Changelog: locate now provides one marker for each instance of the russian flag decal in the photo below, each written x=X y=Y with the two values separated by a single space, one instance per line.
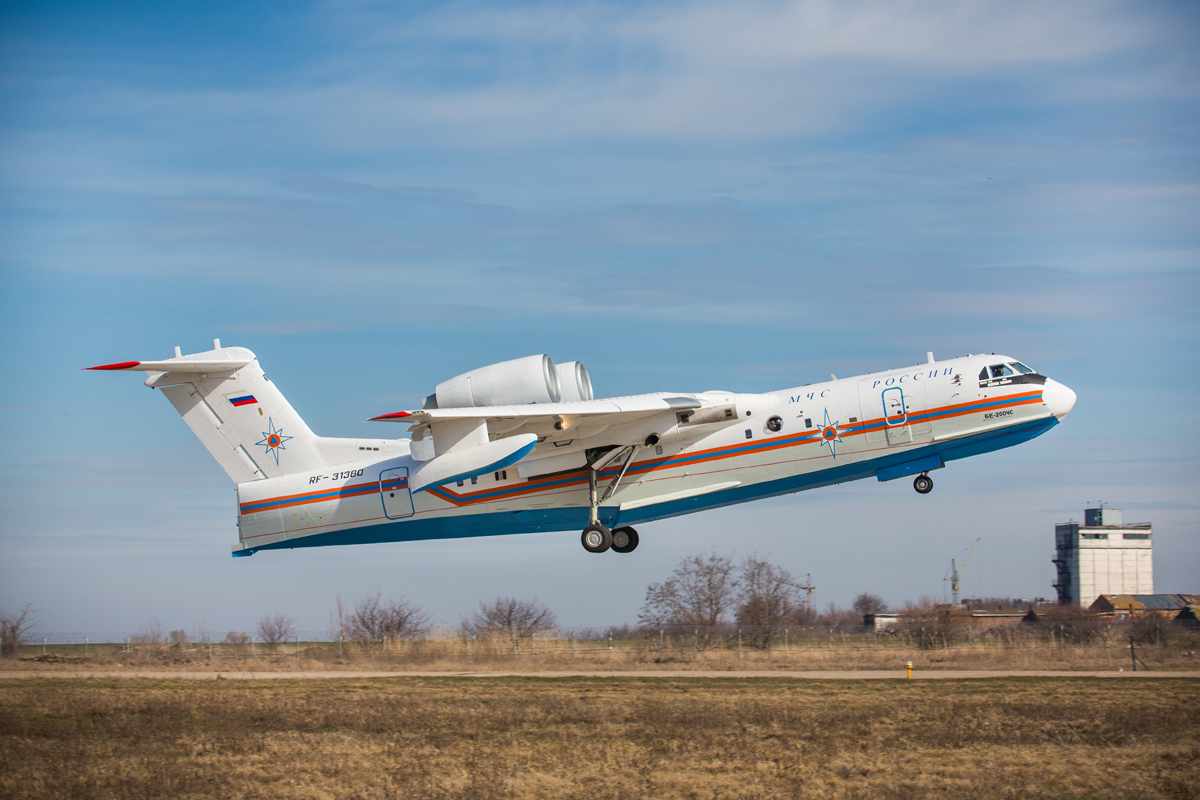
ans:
x=243 y=400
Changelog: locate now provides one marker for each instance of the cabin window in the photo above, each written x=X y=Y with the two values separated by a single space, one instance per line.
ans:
x=1021 y=368
x=775 y=424
x=458 y=483
x=749 y=433
x=808 y=422
x=502 y=475
x=1000 y=371
x=474 y=479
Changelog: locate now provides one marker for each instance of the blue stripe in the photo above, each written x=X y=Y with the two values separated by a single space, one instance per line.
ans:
x=499 y=523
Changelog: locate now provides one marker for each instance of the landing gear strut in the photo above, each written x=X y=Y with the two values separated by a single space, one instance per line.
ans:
x=596 y=537
x=923 y=484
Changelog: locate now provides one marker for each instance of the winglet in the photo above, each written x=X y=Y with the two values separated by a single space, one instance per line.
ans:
x=391 y=416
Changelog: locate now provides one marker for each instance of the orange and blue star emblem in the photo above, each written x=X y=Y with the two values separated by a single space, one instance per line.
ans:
x=831 y=435
x=273 y=440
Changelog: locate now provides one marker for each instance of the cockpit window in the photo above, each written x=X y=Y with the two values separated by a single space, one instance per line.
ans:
x=983 y=374
x=1000 y=371
x=1021 y=368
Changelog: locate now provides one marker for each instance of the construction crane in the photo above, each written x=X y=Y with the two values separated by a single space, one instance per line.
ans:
x=952 y=577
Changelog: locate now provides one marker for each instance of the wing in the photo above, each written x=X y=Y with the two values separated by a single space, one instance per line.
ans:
x=564 y=432
x=630 y=407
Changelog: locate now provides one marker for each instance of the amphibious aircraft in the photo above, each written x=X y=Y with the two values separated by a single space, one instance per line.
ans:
x=523 y=446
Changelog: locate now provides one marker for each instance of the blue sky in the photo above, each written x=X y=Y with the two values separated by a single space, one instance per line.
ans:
x=684 y=196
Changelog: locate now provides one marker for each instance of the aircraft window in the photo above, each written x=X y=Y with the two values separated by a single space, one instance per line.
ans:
x=775 y=424
x=749 y=434
x=1021 y=368
x=1000 y=371
x=983 y=374
x=808 y=422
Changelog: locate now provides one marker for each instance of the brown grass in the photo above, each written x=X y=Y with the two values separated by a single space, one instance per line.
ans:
x=856 y=652
x=612 y=737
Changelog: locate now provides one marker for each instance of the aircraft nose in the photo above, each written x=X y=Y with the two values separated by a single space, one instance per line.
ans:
x=1059 y=397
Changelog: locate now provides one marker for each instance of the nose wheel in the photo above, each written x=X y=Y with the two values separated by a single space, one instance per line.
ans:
x=923 y=484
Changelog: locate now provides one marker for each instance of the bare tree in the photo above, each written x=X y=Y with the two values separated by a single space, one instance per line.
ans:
x=768 y=600
x=177 y=637
x=13 y=630
x=508 y=616
x=867 y=603
x=699 y=593
x=275 y=629
x=237 y=637
x=151 y=635
x=375 y=619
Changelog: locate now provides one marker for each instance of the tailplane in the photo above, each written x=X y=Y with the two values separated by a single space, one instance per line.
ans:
x=243 y=419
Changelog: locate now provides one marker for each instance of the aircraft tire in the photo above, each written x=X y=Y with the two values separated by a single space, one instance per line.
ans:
x=923 y=484
x=596 y=538
x=624 y=539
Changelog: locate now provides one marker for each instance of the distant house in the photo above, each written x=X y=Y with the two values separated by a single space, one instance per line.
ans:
x=1168 y=606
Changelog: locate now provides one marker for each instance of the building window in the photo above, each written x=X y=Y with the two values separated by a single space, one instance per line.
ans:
x=1135 y=536
x=1094 y=535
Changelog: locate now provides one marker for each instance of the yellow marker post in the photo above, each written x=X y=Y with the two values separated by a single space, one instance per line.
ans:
x=908 y=671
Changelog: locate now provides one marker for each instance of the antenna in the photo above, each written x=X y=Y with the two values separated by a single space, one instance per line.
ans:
x=954 y=581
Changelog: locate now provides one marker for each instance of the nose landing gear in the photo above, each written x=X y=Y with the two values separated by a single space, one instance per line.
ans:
x=923 y=483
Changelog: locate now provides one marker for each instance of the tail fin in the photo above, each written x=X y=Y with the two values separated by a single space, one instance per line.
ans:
x=233 y=408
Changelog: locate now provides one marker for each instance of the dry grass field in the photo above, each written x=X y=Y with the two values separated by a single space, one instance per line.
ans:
x=605 y=737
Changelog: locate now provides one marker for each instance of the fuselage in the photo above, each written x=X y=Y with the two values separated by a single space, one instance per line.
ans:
x=884 y=425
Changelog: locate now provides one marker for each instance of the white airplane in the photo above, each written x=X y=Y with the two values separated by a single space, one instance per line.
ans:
x=522 y=446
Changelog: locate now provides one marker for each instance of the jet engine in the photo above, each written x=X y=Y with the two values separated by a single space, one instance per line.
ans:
x=532 y=379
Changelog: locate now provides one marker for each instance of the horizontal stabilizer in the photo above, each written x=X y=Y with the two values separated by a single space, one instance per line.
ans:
x=175 y=365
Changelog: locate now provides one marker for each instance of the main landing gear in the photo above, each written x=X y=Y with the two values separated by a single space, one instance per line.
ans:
x=923 y=483
x=597 y=537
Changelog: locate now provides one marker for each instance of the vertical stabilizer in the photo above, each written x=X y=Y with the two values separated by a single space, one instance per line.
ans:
x=243 y=419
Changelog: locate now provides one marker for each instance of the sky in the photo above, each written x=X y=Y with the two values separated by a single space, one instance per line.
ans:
x=684 y=196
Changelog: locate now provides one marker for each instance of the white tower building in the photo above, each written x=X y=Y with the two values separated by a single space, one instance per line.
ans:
x=1102 y=556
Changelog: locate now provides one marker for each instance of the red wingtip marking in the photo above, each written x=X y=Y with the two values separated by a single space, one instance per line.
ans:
x=117 y=365
x=391 y=415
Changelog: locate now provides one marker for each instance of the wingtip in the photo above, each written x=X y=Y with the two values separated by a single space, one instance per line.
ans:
x=114 y=366
x=391 y=415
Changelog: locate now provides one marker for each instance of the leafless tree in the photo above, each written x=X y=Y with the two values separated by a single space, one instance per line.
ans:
x=700 y=593
x=13 y=630
x=151 y=635
x=237 y=637
x=768 y=600
x=510 y=617
x=867 y=603
x=275 y=629
x=375 y=620
x=177 y=637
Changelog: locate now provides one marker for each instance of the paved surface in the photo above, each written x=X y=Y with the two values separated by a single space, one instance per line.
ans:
x=825 y=675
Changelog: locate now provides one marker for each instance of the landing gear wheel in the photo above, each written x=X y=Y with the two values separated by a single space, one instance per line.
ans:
x=624 y=539
x=923 y=484
x=596 y=538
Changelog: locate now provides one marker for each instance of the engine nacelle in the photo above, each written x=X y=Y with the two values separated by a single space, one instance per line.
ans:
x=532 y=379
x=574 y=382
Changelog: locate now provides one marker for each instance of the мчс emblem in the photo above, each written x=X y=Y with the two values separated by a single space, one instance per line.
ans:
x=831 y=435
x=273 y=440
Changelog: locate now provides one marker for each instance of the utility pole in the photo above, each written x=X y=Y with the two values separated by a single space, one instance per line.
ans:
x=808 y=588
